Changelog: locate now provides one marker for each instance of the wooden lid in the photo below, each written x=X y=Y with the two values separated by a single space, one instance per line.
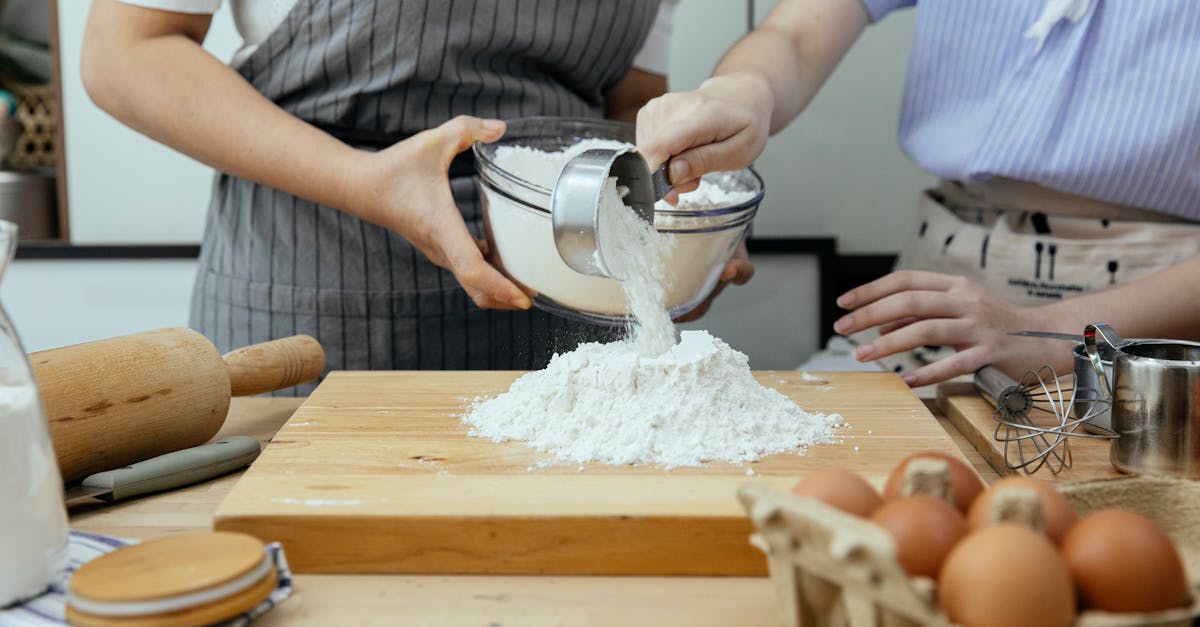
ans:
x=168 y=567
x=215 y=612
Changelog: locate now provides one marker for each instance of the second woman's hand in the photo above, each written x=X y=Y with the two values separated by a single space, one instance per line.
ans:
x=913 y=309
x=406 y=189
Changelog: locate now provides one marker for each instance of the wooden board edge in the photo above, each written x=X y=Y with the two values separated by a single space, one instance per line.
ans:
x=651 y=546
x=971 y=434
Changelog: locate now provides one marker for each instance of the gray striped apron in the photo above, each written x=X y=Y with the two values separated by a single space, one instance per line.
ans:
x=373 y=72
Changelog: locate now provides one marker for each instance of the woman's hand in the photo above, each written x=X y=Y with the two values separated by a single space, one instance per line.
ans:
x=406 y=189
x=914 y=309
x=738 y=271
x=723 y=125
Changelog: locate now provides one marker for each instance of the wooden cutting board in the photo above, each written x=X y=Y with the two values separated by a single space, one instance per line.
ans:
x=971 y=414
x=375 y=473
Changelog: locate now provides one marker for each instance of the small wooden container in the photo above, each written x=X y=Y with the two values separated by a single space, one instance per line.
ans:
x=191 y=579
x=836 y=570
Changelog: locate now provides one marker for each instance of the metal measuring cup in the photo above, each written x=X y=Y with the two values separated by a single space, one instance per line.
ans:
x=575 y=203
x=1155 y=402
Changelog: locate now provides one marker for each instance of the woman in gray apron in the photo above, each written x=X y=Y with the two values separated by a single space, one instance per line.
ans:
x=305 y=235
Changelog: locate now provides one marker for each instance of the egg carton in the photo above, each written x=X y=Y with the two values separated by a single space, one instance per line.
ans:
x=832 y=569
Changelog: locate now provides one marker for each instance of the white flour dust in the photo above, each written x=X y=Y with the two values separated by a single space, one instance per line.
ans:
x=636 y=252
x=647 y=399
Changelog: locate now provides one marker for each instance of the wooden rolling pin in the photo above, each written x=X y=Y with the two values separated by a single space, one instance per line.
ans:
x=119 y=401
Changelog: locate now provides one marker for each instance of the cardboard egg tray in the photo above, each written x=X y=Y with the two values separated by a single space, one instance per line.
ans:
x=831 y=569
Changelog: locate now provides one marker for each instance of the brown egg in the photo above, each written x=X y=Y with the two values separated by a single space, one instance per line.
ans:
x=925 y=529
x=1057 y=512
x=966 y=484
x=1006 y=575
x=1124 y=562
x=841 y=489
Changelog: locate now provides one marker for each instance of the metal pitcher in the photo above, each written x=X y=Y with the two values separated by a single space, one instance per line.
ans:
x=1155 y=402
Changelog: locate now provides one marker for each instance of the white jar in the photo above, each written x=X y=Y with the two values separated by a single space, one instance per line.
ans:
x=33 y=520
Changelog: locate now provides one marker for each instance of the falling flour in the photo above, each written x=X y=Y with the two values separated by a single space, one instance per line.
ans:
x=635 y=251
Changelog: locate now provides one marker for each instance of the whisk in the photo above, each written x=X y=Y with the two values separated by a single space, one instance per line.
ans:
x=1034 y=418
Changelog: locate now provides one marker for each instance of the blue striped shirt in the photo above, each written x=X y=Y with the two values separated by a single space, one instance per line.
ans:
x=1108 y=108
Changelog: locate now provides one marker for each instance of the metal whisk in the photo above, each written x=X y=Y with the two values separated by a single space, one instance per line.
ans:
x=1034 y=417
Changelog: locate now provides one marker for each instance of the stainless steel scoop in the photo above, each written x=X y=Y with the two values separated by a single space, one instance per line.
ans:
x=575 y=202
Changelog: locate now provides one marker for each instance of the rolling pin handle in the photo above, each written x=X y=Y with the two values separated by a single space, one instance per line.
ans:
x=274 y=365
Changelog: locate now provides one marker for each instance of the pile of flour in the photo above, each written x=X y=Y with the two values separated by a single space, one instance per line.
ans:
x=606 y=403
x=647 y=399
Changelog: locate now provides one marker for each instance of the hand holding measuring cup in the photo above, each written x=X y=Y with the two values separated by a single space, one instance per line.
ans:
x=721 y=126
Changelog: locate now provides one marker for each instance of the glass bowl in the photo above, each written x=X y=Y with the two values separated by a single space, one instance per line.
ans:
x=516 y=215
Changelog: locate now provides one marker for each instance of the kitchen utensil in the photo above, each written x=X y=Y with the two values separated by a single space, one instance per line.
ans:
x=1049 y=335
x=519 y=227
x=173 y=470
x=575 y=205
x=33 y=522
x=115 y=402
x=1099 y=421
x=1155 y=402
x=1034 y=416
x=190 y=579
x=374 y=457
x=973 y=416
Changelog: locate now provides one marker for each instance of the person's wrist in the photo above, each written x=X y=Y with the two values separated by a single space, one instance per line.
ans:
x=1057 y=317
x=750 y=88
x=357 y=183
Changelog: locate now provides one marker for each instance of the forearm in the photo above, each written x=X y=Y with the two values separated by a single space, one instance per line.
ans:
x=170 y=89
x=1163 y=305
x=794 y=51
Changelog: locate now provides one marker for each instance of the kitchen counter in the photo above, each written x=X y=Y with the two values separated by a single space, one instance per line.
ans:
x=453 y=600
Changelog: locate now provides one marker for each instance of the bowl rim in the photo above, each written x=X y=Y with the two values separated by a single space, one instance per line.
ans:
x=482 y=161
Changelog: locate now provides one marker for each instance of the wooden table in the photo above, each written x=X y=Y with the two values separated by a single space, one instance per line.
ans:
x=458 y=600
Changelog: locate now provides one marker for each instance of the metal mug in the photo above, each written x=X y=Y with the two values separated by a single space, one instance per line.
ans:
x=1155 y=402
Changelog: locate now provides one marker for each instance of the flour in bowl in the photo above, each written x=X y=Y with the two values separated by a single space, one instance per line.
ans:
x=522 y=238
x=543 y=167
